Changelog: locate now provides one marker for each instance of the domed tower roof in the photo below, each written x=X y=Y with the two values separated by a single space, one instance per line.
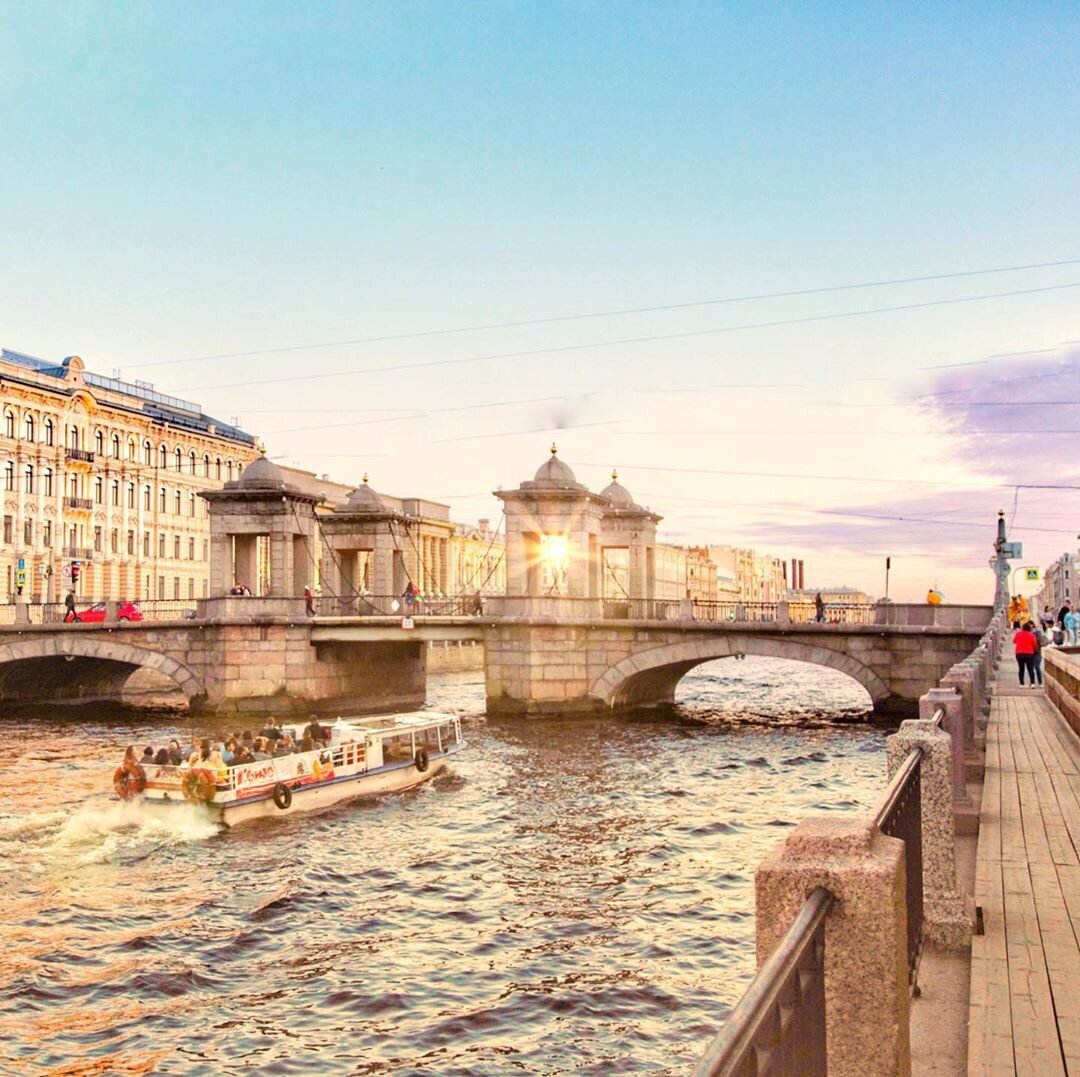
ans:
x=553 y=471
x=261 y=473
x=617 y=494
x=364 y=499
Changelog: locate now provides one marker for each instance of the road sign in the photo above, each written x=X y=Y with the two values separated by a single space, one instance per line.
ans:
x=1032 y=575
x=1012 y=549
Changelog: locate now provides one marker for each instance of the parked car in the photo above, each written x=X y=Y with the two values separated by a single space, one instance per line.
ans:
x=125 y=611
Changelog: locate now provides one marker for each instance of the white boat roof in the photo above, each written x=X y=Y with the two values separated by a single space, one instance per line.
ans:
x=409 y=719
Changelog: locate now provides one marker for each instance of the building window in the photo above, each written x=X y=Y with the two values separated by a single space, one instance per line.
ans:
x=191 y=588
x=29 y=426
x=73 y=437
x=191 y=461
x=114 y=492
x=46 y=535
x=147 y=453
x=176 y=547
x=97 y=539
x=163 y=457
x=99 y=492
x=228 y=470
x=146 y=498
x=50 y=432
x=191 y=549
x=176 y=502
x=206 y=549
x=74 y=485
x=99 y=443
x=146 y=551
x=28 y=532
x=161 y=587
x=179 y=459
x=218 y=465
x=176 y=588
x=205 y=588
x=46 y=482
x=131 y=495
x=9 y=423
x=161 y=544
x=114 y=541
x=162 y=496
x=131 y=450
x=116 y=446
x=206 y=466
x=131 y=544
x=7 y=529
x=191 y=504
x=9 y=476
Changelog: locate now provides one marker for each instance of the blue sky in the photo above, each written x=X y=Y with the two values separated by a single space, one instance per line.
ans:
x=188 y=180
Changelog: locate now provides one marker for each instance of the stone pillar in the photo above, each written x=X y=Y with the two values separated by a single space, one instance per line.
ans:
x=965 y=815
x=945 y=919
x=22 y=612
x=866 y=980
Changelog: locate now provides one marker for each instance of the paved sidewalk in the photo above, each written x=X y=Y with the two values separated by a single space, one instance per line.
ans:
x=1025 y=970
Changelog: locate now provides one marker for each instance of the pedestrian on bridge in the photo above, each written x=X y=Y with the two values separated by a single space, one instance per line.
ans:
x=69 y=606
x=1025 y=645
x=819 y=608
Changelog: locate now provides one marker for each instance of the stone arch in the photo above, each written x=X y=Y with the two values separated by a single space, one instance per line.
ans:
x=651 y=676
x=83 y=645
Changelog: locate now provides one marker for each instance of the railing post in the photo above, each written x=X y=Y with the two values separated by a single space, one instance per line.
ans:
x=110 y=611
x=22 y=612
x=945 y=919
x=965 y=817
x=866 y=977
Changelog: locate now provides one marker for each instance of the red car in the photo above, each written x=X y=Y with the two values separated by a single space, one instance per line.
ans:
x=125 y=611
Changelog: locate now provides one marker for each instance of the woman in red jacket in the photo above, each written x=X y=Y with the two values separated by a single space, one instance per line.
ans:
x=1025 y=644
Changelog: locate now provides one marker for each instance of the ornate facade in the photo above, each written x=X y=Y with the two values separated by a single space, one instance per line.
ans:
x=101 y=476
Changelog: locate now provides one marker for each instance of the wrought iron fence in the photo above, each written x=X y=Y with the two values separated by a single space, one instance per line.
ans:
x=778 y=1027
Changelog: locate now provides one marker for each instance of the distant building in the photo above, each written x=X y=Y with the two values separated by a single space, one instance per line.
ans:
x=1059 y=583
x=757 y=577
x=100 y=484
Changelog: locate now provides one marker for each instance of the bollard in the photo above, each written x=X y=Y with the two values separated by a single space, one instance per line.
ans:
x=866 y=981
x=946 y=921
x=965 y=816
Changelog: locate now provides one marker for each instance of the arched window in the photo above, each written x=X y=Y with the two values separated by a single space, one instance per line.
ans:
x=9 y=423
x=50 y=432
x=179 y=460
x=116 y=446
x=147 y=453
x=191 y=458
x=73 y=437
x=218 y=462
x=131 y=450
x=99 y=443
x=228 y=470
x=206 y=465
x=28 y=479
x=163 y=457
x=29 y=428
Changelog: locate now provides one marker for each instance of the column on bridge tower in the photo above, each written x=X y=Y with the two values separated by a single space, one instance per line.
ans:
x=366 y=528
x=553 y=526
x=627 y=525
x=257 y=523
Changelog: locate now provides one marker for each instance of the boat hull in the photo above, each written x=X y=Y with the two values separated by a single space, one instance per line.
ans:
x=306 y=797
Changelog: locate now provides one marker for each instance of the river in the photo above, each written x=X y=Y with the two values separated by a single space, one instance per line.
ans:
x=572 y=897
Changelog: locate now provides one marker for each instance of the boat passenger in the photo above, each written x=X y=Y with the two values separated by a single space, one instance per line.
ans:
x=228 y=751
x=307 y=744
x=260 y=749
x=316 y=731
x=285 y=746
x=129 y=757
x=242 y=755
x=201 y=754
x=147 y=755
x=162 y=758
x=216 y=764
x=176 y=755
x=271 y=732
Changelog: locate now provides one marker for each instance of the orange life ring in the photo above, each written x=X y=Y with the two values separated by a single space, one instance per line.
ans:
x=129 y=780
x=199 y=786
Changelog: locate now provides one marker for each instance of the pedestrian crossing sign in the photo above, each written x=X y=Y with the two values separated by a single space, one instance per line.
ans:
x=1031 y=575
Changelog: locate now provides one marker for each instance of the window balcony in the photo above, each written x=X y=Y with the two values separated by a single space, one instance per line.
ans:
x=83 y=455
x=77 y=553
x=83 y=504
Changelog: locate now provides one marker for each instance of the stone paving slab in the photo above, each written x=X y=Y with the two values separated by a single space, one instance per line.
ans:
x=1024 y=1015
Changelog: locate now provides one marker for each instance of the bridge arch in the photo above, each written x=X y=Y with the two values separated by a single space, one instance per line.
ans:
x=102 y=652
x=650 y=677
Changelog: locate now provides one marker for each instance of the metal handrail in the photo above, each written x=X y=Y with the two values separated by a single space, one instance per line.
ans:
x=779 y=1023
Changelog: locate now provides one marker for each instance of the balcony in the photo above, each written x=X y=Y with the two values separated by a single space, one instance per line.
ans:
x=77 y=553
x=83 y=504
x=82 y=455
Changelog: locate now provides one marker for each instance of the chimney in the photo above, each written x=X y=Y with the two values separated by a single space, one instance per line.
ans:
x=484 y=525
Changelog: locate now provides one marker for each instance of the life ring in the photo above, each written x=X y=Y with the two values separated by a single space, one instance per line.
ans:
x=129 y=781
x=421 y=759
x=199 y=786
x=282 y=795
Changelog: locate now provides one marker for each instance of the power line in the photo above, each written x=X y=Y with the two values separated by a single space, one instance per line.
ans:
x=556 y=319
x=651 y=339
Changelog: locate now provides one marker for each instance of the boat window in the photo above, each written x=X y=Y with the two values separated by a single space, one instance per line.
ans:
x=397 y=749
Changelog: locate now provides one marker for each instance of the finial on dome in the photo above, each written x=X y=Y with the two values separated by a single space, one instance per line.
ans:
x=364 y=479
x=614 y=475
x=1001 y=512
x=262 y=448
x=554 y=448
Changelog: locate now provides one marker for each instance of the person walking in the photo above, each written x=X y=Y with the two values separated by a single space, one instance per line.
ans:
x=1046 y=619
x=819 y=608
x=309 y=601
x=69 y=606
x=1071 y=624
x=1066 y=609
x=1037 y=657
x=1024 y=646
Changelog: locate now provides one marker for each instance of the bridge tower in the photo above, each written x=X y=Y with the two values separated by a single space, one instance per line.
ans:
x=553 y=532
x=262 y=534
x=628 y=545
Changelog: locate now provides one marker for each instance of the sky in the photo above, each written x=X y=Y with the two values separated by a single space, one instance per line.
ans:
x=807 y=275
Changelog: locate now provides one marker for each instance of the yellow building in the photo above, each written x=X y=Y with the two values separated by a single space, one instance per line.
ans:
x=100 y=484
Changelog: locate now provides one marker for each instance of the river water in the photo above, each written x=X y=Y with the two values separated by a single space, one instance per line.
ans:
x=573 y=897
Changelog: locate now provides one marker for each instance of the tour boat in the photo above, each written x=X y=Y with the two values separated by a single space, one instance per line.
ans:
x=368 y=755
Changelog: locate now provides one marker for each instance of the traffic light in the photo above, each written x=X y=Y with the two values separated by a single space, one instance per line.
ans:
x=75 y=572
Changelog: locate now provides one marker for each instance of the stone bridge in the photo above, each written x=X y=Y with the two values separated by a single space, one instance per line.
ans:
x=264 y=656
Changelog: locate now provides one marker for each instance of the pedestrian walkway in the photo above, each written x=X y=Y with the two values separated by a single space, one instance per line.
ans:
x=1025 y=968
